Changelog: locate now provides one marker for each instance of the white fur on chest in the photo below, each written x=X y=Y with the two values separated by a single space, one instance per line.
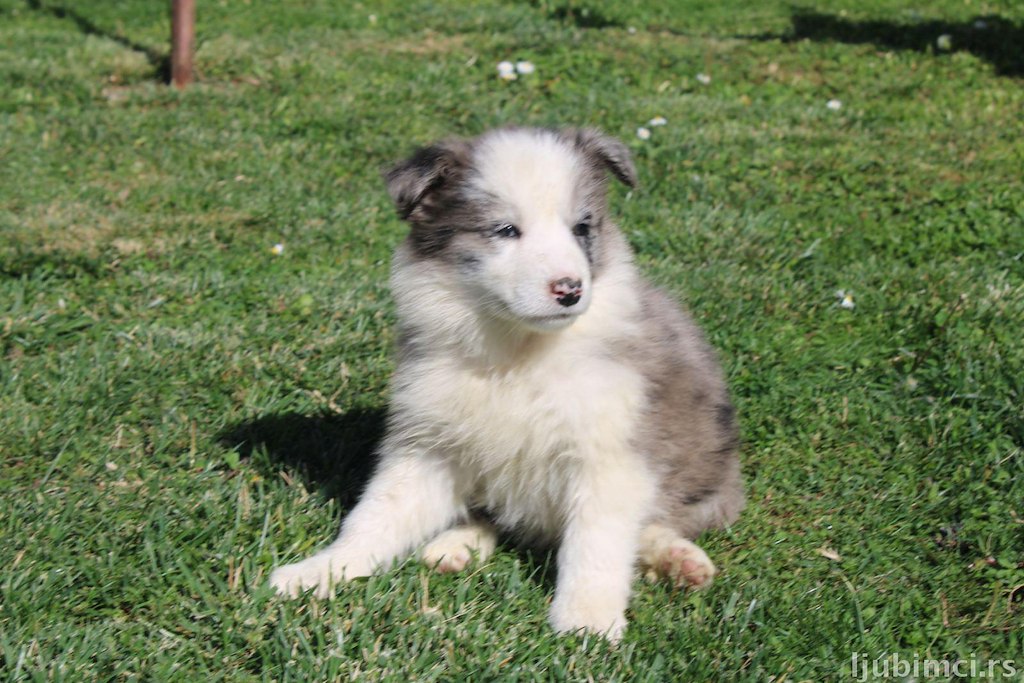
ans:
x=520 y=438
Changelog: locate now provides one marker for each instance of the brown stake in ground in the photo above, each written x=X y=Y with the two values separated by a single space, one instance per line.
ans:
x=183 y=31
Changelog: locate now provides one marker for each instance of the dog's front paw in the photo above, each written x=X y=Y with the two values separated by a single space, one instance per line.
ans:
x=594 y=613
x=316 y=572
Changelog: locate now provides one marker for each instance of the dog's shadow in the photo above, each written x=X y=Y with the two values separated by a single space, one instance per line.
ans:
x=335 y=455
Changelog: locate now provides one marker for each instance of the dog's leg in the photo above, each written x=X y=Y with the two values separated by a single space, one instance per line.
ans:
x=599 y=548
x=664 y=553
x=411 y=497
x=453 y=549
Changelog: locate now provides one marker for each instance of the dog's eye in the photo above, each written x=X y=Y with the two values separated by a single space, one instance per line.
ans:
x=582 y=229
x=506 y=230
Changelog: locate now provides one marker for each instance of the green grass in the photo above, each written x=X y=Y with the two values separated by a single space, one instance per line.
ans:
x=180 y=409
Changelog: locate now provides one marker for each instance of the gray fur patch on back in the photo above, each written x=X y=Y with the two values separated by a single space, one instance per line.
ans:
x=689 y=433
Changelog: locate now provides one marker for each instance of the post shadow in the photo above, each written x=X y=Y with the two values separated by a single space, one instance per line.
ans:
x=992 y=38
x=160 y=62
x=583 y=17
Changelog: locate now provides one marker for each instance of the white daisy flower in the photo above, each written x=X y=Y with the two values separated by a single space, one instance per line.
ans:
x=277 y=249
x=944 y=42
x=507 y=71
x=524 y=67
x=845 y=299
x=657 y=121
x=704 y=79
x=643 y=133
x=834 y=105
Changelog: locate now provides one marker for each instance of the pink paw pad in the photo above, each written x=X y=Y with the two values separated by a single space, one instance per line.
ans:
x=450 y=564
x=687 y=566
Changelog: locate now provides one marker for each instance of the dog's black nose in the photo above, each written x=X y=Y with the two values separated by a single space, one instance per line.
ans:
x=567 y=291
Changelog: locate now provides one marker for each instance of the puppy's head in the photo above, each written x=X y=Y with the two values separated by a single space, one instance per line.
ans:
x=519 y=215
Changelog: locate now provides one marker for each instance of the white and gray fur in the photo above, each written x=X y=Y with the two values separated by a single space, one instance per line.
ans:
x=542 y=386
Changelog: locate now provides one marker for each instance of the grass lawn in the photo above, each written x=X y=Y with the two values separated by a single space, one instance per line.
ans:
x=181 y=409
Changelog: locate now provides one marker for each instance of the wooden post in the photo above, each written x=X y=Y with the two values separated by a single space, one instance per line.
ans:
x=183 y=34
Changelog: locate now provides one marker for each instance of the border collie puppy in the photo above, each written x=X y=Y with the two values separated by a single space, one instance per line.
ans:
x=542 y=387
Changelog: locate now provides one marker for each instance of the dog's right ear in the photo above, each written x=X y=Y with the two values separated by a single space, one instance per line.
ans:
x=412 y=182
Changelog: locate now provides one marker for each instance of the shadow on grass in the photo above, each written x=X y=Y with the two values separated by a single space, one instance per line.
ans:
x=334 y=454
x=160 y=61
x=991 y=37
x=57 y=265
x=583 y=17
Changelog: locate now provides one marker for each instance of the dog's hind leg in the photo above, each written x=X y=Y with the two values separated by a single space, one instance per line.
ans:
x=453 y=549
x=665 y=553
x=410 y=498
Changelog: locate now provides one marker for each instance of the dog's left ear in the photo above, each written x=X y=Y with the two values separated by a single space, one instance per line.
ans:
x=412 y=182
x=609 y=151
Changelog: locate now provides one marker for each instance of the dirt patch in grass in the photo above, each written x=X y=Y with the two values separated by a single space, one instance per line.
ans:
x=79 y=229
